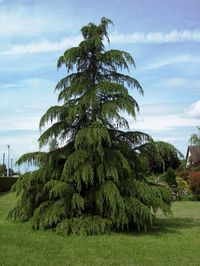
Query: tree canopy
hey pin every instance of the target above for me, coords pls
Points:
(95, 180)
(164, 156)
(195, 138)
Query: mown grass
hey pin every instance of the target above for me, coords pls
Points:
(170, 242)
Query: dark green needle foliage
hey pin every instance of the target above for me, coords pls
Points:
(166, 156)
(94, 182)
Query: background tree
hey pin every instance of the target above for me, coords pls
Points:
(170, 177)
(195, 138)
(96, 180)
(3, 170)
(165, 156)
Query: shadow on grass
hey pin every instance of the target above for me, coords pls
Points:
(172, 225)
(161, 225)
(167, 226)
(4, 193)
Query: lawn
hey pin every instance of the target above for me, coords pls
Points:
(170, 242)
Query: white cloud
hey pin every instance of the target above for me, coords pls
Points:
(171, 139)
(156, 37)
(168, 122)
(162, 122)
(174, 60)
(175, 82)
(21, 106)
(20, 143)
(22, 123)
(194, 110)
(9, 86)
(19, 21)
(37, 93)
(161, 108)
(43, 46)
(182, 83)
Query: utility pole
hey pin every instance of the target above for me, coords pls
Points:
(8, 160)
(11, 166)
(3, 163)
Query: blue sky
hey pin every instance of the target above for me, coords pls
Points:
(162, 36)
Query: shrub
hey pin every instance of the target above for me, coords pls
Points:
(183, 189)
(6, 183)
(194, 183)
(170, 177)
(184, 174)
(196, 169)
(182, 184)
(187, 197)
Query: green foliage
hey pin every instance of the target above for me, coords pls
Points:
(182, 185)
(53, 145)
(195, 138)
(6, 183)
(3, 170)
(182, 165)
(170, 177)
(33, 158)
(184, 173)
(96, 181)
(48, 214)
(194, 184)
(163, 156)
(84, 225)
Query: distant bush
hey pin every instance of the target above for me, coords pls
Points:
(183, 189)
(182, 184)
(196, 169)
(187, 197)
(170, 177)
(184, 173)
(6, 183)
(194, 184)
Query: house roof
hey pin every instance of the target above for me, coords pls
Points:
(194, 153)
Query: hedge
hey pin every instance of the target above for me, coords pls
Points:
(194, 183)
(6, 183)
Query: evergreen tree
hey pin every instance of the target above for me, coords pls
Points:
(166, 156)
(53, 145)
(94, 182)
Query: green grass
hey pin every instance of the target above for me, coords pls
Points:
(170, 242)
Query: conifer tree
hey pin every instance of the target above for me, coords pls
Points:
(94, 181)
